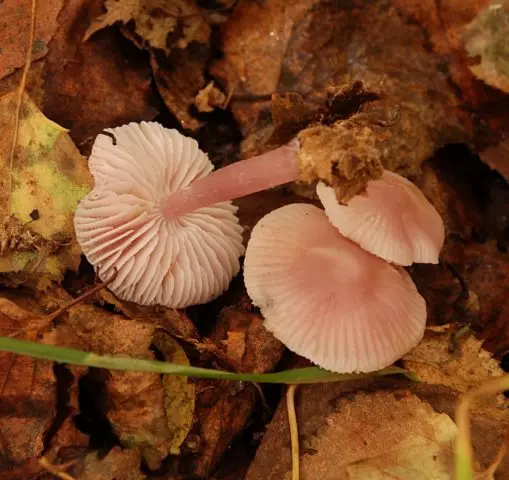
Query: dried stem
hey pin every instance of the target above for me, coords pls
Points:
(77, 300)
(57, 470)
(21, 92)
(294, 431)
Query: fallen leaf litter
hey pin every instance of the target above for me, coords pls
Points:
(294, 54)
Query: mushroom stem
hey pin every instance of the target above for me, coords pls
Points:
(239, 179)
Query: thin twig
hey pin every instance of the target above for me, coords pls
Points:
(294, 431)
(21, 91)
(77, 300)
(56, 470)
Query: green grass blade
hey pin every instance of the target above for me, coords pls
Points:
(78, 357)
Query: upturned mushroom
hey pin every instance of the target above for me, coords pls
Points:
(325, 297)
(127, 231)
(392, 219)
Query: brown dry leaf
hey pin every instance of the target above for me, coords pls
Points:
(497, 157)
(473, 200)
(39, 194)
(224, 408)
(118, 464)
(145, 410)
(27, 392)
(382, 436)
(256, 349)
(486, 37)
(174, 321)
(307, 47)
(139, 404)
(156, 22)
(316, 403)
(14, 31)
(444, 24)
(222, 411)
(118, 84)
(176, 33)
(179, 79)
(118, 87)
(254, 42)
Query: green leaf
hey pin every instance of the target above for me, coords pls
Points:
(78, 357)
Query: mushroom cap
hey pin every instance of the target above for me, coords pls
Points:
(122, 231)
(392, 220)
(326, 298)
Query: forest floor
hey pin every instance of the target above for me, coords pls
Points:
(234, 75)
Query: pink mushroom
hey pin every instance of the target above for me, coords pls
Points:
(326, 298)
(392, 220)
(125, 229)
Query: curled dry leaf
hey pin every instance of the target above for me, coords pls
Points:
(176, 33)
(222, 411)
(157, 21)
(39, 193)
(145, 410)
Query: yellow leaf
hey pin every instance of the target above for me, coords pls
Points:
(39, 195)
(179, 393)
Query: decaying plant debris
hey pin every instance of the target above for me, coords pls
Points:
(419, 88)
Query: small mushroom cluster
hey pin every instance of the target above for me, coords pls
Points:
(325, 285)
(329, 283)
